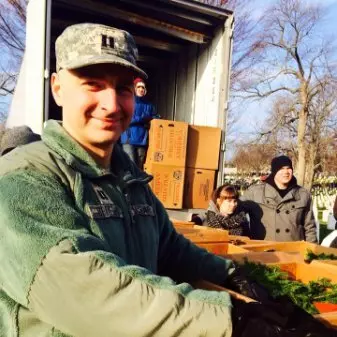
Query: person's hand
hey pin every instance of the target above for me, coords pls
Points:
(196, 219)
(285, 314)
(241, 284)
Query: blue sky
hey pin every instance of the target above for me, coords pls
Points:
(254, 113)
(329, 5)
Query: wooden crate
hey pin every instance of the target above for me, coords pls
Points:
(329, 318)
(211, 286)
(181, 223)
(216, 241)
(263, 257)
(200, 234)
(298, 248)
(223, 248)
(305, 273)
(332, 264)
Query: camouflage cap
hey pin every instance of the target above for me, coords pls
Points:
(86, 44)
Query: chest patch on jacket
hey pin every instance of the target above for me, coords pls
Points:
(143, 210)
(106, 207)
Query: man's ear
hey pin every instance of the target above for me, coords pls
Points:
(56, 88)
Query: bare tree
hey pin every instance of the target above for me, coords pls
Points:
(321, 122)
(328, 155)
(283, 121)
(12, 44)
(295, 60)
(254, 157)
(12, 25)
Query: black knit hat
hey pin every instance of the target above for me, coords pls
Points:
(278, 162)
(17, 136)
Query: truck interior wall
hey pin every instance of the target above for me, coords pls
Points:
(208, 93)
(184, 86)
(200, 90)
(166, 83)
(191, 82)
(186, 76)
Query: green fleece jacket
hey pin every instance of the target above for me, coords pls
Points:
(82, 249)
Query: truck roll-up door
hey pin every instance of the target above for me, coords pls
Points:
(29, 100)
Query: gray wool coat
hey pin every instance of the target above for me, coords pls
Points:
(280, 219)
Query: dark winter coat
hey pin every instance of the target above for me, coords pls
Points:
(280, 219)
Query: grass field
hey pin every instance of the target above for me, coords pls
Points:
(323, 232)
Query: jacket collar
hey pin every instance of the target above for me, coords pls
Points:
(212, 207)
(271, 193)
(58, 139)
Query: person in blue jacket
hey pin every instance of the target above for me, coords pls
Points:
(135, 139)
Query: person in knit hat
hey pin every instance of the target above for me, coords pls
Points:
(280, 209)
(16, 136)
(135, 139)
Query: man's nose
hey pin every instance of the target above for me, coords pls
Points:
(109, 100)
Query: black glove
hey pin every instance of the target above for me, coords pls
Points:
(257, 320)
(284, 313)
(196, 219)
(239, 282)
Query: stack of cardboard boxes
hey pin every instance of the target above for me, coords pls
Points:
(203, 148)
(183, 160)
(165, 160)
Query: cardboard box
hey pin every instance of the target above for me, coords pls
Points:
(203, 147)
(167, 143)
(167, 184)
(199, 185)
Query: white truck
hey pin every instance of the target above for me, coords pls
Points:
(184, 46)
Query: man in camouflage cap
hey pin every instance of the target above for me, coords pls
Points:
(83, 237)
(82, 234)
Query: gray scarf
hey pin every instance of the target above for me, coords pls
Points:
(236, 224)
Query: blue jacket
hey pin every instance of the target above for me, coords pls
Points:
(138, 131)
